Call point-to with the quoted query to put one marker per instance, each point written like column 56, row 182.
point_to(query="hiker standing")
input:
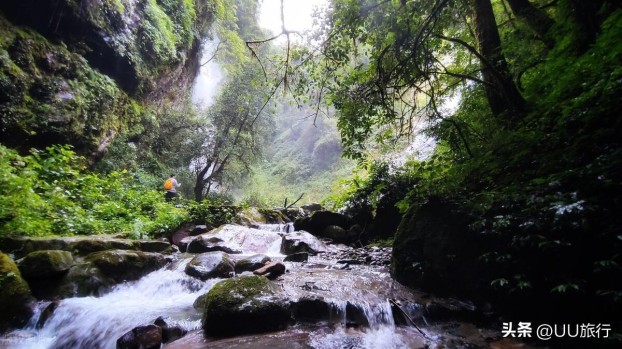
column 170, row 185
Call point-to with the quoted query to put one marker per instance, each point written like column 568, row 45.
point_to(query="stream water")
column 97, row 322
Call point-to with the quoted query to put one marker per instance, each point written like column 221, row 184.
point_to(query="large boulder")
column 252, row 216
column 338, row 234
column 45, row 264
column 210, row 265
column 318, row 221
column 208, row 243
column 144, row 337
column 85, row 246
column 121, row 265
column 302, row 241
column 83, row 279
column 79, row 245
column 244, row 305
column 435, row 250
column 15, row 296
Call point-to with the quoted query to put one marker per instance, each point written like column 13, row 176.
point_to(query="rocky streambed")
column 325, row 296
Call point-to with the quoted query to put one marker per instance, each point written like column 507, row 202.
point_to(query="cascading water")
column 97, row 322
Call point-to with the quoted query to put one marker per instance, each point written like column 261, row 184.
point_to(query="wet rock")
column 310, row 208
column 311, row 309
column 380, row 256
column 250, row 216
column 251, row 263
column 271, row 270
column 293, row 213
column 83, row 279
column 122, row 265
column 337, row 234
column 244, row 305
column 45, row 264
column 297, row 257
column 199, row 303
column 199, row 229
column 355, row 315
column 15, row 296
column 434, row 249
column 143, row 337
column 169, row 333
column 320, row 220
column 206, row 243
column 184, row 242
column 46, row 314
column 210, row 265
column 96, row 244
column 153, row 246
column 302, row 241
column 239, row 238
column 180, row 234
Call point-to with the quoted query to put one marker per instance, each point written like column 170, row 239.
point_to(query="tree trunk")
column 534, row 17
column 501, row 92
column 585, row 15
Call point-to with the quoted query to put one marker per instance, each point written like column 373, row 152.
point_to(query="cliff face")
column 79, row 71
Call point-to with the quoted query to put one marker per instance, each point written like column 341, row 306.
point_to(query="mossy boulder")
column 83, row 279
column 274, row 216
column 45, row 264
column 210, row 265
column 49, row 94
column 122, row 265
column 319, row 220
column 15, row 296
column 249, row 216
column 435, row 250
column 244, row 305
column 96, row 244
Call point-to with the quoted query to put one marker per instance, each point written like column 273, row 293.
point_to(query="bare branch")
column 213, row 55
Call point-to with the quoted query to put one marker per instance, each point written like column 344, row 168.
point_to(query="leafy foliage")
column 544, row 187
column 49, row 193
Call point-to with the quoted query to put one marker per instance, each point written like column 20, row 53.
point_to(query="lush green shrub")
column 212, row 212
column 51, row 193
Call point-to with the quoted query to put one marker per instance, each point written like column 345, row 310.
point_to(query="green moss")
column 232, row 293
column 14, row 293
column 46, row 263
column 48, row 90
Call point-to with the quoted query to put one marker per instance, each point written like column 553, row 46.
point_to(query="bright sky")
column 297, row 14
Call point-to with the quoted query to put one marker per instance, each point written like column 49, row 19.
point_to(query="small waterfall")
column 359, row 314
column 97, row 322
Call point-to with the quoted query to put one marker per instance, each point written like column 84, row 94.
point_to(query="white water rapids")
column 97, row 322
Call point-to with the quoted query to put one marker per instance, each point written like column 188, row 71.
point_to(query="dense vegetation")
column 521, row 97
column 531, row 155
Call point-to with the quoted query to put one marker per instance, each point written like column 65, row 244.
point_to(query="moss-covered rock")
column 81, row 72
column 49, row 94
column 242, row 305
column 434, row 250
column 85, row 246
column 83, row 279
column 45, row 264
column 210, row 265
column 121, row 265
column 249, row 216
column 319, row 220
column 15, row 297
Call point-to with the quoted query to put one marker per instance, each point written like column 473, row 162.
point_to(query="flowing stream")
column 97, row 322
